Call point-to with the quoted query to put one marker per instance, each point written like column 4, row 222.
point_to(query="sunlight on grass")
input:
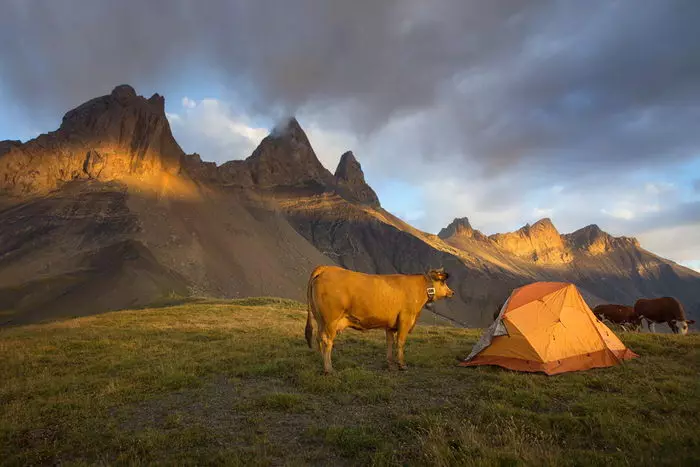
column 212, row 381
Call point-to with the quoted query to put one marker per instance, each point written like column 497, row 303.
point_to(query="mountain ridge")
column 258, row 225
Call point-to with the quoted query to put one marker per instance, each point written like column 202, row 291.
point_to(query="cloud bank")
column 501, row 110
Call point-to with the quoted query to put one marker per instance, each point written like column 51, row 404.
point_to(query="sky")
column 503, row 111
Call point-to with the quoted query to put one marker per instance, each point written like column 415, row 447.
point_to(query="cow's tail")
column 309, row 331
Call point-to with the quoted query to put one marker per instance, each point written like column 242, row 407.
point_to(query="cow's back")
column 616, row 313
column 660, row 309
column 338, row 292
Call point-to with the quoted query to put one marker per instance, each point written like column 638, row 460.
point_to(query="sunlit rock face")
column 109, row 137
column 594, row 241
column 539, row 242
column 460, row 228
column 112, row 214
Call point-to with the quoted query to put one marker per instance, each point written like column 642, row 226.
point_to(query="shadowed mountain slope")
column 108, row 212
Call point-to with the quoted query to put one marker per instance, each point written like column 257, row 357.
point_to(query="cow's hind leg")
column 326, row 349
column 390, row 347
column 320, row 326
column 652, row 326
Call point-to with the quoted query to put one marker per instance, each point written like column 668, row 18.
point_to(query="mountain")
column 351, row 182
column 101, row 215
column 108, row 212
column 606, row 268
column 539, row 242
column 107, row 138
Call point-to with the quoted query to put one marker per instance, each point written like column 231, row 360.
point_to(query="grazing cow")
column 619, row 314
column 663, row 310
column 339, row 298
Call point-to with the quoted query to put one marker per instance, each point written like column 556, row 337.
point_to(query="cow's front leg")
column 404, row 329
column 390, row 347
column 652, row 326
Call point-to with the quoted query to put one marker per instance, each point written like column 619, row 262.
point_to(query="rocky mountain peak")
column 349, row 169
column 460, row 228
column 541, row 227
column 157, row 102
column 123, row 93
column 540, row 242
column 288, row 127
column 285, row 158
column 351, row 181
column 596, row 241
column 106, row 138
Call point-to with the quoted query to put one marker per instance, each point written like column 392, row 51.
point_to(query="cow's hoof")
column 403, row 368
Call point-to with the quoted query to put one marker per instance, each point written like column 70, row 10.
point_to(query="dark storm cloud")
column 559, row 85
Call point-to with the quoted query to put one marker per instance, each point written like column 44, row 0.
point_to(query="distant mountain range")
column 108, row 212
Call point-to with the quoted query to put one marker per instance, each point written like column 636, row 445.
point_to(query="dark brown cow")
column 339, row 299
column 663, row 310
column 619, row 314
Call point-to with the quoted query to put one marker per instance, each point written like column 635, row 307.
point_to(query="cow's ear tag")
column 431, row 292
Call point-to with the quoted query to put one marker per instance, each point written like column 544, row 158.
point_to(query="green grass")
column 215, row 382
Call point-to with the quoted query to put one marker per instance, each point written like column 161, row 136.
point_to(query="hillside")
column 605, row 268
column 108, row 212
column 234, row 383
column 135, row 230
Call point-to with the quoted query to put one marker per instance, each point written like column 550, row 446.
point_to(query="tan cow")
column 339, row 299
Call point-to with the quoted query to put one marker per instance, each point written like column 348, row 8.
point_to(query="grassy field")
column 234, row 383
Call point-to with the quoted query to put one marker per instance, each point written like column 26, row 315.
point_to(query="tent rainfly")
column 547, row 327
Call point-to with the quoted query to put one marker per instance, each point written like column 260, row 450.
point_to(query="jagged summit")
column 255, row 227
column 349, row 168
column 351, row 181
column 460, row 228
column 287, row 127
column 545, row 222
column 596, row 241
column 107, row 138
column 543, row 225
column 285, row 158
column 124, row 91
column 540, row 242
column 122, row 97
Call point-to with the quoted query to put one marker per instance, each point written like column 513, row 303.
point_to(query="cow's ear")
column 438, row 275
column 690, row 321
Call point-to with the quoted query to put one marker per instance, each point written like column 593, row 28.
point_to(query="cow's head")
column 680, row 326
column 439, row 278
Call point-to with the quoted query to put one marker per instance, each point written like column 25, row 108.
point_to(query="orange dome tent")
column 547, row 326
